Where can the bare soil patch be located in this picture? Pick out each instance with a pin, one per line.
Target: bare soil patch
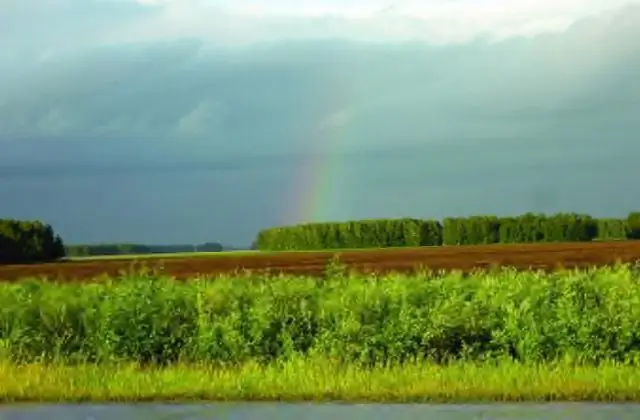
(465, 258)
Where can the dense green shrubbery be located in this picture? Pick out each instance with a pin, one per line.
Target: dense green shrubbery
(24, 241)
(585, 317)
(475, 230)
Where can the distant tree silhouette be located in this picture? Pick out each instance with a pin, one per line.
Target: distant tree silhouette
(27, 241)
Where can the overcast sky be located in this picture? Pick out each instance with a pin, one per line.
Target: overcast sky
(251, 91)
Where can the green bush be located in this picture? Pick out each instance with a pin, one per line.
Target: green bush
(588, 316)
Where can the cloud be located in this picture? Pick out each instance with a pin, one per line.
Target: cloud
(69, 24)
(527, 105)
(205, 119)
(436, 21)
(186, 86)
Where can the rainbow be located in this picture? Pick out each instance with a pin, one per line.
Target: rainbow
(318, 181)
(317, 184)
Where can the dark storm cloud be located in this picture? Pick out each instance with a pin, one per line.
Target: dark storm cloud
(214, 139)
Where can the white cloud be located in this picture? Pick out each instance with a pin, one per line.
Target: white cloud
(44, 25)
(434, 21)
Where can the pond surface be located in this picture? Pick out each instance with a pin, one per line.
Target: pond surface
(280, 411)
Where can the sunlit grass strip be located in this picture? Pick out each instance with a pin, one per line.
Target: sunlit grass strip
(308, 380)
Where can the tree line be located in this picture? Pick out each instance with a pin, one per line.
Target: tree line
(28, 241)
(25, 241)
(131, 249)
(32, 241)
(474, 230)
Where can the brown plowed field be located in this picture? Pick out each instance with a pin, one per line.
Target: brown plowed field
(539, 256)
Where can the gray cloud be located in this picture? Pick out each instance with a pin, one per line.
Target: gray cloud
(156, 90)
(411, 128)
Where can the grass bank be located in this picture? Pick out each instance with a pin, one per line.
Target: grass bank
(307, 380)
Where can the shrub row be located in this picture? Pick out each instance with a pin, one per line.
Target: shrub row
(383, 233)
(28, 241)
(588, 316)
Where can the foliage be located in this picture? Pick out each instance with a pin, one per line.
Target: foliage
(612, 229)
(471, 231)
(380, 233)
(474, 230)
(575, 316)
(27, 241)
(633, 225)
(431, 233)
(561, 227)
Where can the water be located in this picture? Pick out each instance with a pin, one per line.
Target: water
(279, 411)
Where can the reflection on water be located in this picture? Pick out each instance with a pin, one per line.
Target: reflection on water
(268, 411)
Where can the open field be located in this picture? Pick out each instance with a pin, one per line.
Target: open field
(465, 258)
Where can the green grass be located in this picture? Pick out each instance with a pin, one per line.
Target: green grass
(499, 335)
(308, 380)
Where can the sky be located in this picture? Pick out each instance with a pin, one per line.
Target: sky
(166, 121)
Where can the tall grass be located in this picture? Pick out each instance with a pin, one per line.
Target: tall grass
(573, 317)
(318, 380)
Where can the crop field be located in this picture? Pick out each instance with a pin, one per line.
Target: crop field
(464, 258)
